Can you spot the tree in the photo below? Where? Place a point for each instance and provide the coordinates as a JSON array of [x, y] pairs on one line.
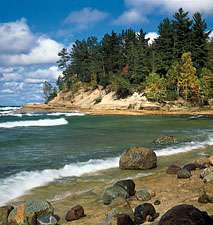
[[64, 60], [48, 91], [164, 46], [210, 54], [155, 87], [199, 42], [182, 33], [188, 82]]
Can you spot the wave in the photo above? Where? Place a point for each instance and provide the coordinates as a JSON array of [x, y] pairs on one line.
[[12, 113], [66, 114], [6, 108], [18, 184], [34, 123], [186, 147]]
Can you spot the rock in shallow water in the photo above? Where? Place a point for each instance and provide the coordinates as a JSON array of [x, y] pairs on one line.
[[47, 220], [4, 213], [138, 158], [75, 213], [185, 215], [143, 195], [28, 212], [127, 185], [173, 169], [190, 167], [184, 174]]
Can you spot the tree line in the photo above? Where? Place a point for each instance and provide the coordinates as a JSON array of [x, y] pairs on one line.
[[179, 63]]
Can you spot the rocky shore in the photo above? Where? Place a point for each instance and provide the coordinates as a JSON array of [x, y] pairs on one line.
[[101, 102], [162, 191]]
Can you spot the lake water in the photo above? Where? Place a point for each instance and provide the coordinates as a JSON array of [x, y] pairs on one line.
[[39, 148]]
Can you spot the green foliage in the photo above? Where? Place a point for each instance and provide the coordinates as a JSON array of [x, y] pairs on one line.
[[125, 62], [155, 87], [121, 86], [98, 100]]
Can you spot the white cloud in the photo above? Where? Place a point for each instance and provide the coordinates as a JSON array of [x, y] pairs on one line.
[[45, 51], [152, 36], [86, 17], [137, 11], [15, 36]]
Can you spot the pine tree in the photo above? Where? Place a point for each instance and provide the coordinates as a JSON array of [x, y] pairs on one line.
[[164, 46], [199, 41], [182, 33], [64, 60]]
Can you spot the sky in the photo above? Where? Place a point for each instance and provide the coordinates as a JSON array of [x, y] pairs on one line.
[[32, 32]]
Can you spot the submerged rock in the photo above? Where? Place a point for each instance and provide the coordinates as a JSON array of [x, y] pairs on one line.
[[46, 220], [185, 215], [4, 213], [75, 213], [28, 212], [127, 185], [138, 158], [165, 140], [145, 212], [114, 192], [184, 174], [173, 169]]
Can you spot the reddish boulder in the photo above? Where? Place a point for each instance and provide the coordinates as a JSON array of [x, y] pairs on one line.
[[75, 213]]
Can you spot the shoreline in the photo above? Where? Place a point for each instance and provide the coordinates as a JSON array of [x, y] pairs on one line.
[[194, 111], [87, 190]]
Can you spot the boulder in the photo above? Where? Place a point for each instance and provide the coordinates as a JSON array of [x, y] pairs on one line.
[[173, 169], [190, 167], [127, 185], [208, 178], [145, 212], [75, 213], [165, 140], [138, 158], [202, 162], [183, 174], [185, 215], [47, 220], [118, 208], [114, 192], [157, 202], [28, 212], [206, 172], [4, 213], [124, 219], [143, 195], [211, 160]]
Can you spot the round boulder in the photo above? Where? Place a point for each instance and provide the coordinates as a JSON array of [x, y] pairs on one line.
[[145, 212], [190, 167], [143, 195], [138, 158], [185, 215], [75, 213]]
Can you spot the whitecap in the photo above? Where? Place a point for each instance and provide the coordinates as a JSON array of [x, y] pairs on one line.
[[34, 123], [19, 184]]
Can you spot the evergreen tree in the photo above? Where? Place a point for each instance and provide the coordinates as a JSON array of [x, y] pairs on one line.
[[182, 33], [164, 45], [64, 60], [199, 41], [210, 54]]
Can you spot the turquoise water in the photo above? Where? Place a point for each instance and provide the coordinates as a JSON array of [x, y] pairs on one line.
[[39, 148]]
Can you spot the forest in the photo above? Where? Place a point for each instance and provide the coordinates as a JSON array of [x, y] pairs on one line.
[[178, 64]]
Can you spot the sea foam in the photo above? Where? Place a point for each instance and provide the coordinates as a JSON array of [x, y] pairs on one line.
[[185, 147], [34, 123], [19, 184]]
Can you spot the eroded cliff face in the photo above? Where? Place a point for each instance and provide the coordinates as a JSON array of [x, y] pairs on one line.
[[100, 99]]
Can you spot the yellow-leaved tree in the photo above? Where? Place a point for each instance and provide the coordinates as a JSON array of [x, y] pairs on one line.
[[188, 83]]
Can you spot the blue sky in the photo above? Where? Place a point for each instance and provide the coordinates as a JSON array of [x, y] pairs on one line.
[[33, 31]]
